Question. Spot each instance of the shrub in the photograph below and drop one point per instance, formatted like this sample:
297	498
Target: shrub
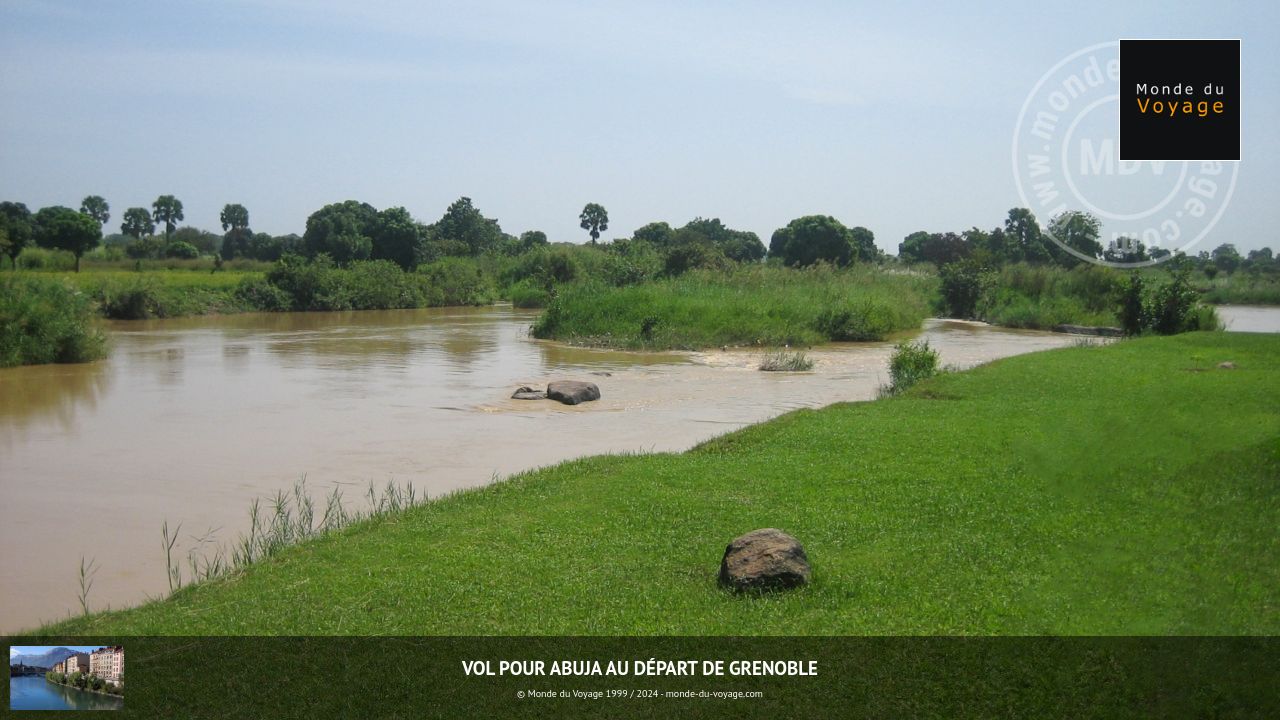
911	363
1133	316
1173	305
134	298
456	281
179	249
867	320
38	258
529	294
310	284
255	293
381	284
46	321
963	284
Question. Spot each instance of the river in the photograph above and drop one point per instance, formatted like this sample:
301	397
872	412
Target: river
33	692
190	419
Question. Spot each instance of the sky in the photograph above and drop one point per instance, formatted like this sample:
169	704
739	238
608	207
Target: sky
40	649
894	116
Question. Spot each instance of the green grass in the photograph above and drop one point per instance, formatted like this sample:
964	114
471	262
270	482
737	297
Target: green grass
1125	489
750	305
162	293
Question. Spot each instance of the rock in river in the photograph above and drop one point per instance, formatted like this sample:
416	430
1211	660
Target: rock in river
528	393
766	559
572	392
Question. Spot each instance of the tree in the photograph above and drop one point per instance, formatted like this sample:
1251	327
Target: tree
64	228
341	231
235	223
1078	231
167	209
809	239
738	245
657	234
1227	258
16	231
530	239
396	237
1023	239
137	223
594	219
864	244
464	223
97	208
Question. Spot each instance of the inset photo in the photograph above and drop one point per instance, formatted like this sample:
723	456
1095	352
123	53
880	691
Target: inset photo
79	677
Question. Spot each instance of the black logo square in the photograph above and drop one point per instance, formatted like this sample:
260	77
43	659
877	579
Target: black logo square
1179	99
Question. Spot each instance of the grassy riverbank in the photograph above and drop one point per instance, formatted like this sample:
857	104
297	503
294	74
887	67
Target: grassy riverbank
760	305
1127	489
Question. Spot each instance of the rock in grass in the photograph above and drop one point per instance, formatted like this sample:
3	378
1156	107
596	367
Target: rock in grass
572	392
1228	365
528	393
766	559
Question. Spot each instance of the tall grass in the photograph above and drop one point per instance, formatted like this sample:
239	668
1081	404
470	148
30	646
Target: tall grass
1244	289
1043	296
281	521
44	320
749	305
786	361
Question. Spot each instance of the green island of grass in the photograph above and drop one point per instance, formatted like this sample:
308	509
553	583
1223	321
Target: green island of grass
1127	489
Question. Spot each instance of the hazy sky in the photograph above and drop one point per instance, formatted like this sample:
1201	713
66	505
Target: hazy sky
894	116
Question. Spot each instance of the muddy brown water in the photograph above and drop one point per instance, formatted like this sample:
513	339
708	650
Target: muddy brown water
190	419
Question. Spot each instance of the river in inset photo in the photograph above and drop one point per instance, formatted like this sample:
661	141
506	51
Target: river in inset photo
188	420
33	692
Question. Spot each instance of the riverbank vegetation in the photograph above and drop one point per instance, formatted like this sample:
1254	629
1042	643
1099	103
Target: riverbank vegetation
1135	498
696	285
86	682
44	321
756	306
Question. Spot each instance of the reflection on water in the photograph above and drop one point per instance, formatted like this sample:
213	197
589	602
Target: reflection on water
189	419
33	692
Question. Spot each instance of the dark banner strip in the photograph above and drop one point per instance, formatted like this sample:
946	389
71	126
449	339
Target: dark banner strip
415	677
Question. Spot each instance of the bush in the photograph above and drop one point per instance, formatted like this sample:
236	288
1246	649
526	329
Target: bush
1173	305
529	294
381	284
1133	316
310	284
135	298
256	293
38	258
911	363
867	320
456	281
963	284
46	321
179	249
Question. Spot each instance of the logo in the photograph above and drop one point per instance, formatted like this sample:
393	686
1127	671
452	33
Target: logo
1066	158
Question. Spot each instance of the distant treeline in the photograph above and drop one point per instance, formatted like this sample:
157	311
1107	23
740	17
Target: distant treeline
351	231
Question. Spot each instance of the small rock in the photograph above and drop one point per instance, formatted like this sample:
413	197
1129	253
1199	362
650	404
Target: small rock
528	393
766	559
602	373
572	392
1228	365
